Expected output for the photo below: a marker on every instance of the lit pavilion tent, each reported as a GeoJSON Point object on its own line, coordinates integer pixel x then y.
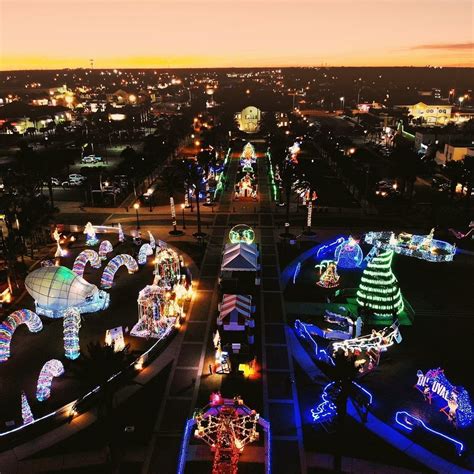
{"type": "Point", "coordinates": [240, 258]}
{"type": "Point", "coordinates": [235, 313]}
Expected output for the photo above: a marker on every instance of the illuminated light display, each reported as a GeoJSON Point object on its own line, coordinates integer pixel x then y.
{"type": "Point", "coordinates": [329, 277]}
{"type": "Point", "coordinates": [121, 235]}
{"type": "Point", "coordinates": [248, 157]}
{"type": "Point", "coordinates": [152, 240]}
{"type": "Point", "coordinates": [145, 251]}
{"type": "Point", "coordinates": [324, 249]}
{"type": "Point", "coordinates": [59, 251]}
{"type": "Point", "coordinates": [246, 187]}
{"type": "Point", "coordinates": [348, 254]}
{"type": "Point", "coordinates": [294, 152]}
{"type": "Point", "coordinates": [55, 289]}
{"type": "Point", "coordinates": [85, 256]}
{"type": "Point", "coordinates": [71, 325]}
{"type": "Point", "coordinates": [227, 426]}
{"type": "Point", "coordinates": [91, 238]}
{"type": "Point", "coordinates": [108, 275]}
{"type": "Point", "coordinates": [378, 341]}
{"type": "Point", "coordinates": [114, 337]}
{"type": "Point", "coordinates": [105, 247]}
{"type": "Point", "coordinates": [410, 422]}
{"type": "Point", "coordinates": [378, 291]}
{"type": "Point", "coordinates": [52, 368]}
{"type": "Point", "coordinates": [424, 247]}
{"type": "Point", "coordinates": [326, 410]}
{"type": "Point", "coordinates": [159, 310]}
{"type": "Point", "coordinates": [304, 331]}
{"type": "Point", "coordinates": [167, 267]}
{"type": "Point", "coordinates": [26, 414]}
{"type": "Point", "coordinates": [242, 233]}
{"type": "Point", "coordinates": [458, 406]}
{"type": "Point", "coordinates": [8, 327]}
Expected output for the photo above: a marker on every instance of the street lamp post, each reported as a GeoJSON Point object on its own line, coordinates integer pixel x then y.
{"type": "Point", "coordinates": [136, 206]}
{"type": "Point", "coordinates": [182, 210]}
{"type": "Point", "coordinates": [461, 100]}
{"type": "Point", "coordinates": [342, 103]}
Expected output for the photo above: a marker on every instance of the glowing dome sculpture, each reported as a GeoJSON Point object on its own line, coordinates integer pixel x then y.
{"type": "Point", "coordinates": [55, 289]}
{"type": "Point", "coordinates": [85, 256]}
{"type": "Point", "coordinates": [52, 368]}
{"type": "Point", "coordinates": [348, 254]}
{"type": "Point", "coordinates": [8, 327]}
{"type": "Point", "coordinates": [242, 233]}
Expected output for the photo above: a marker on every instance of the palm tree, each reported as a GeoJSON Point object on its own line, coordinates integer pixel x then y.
{"type": "Point", "coordinates": [173, 179]}
{"type": "Point", "coordinates": [343, 373]}
{"type": "Point", "coordinates": [288, 176]}
{"type": "Point", "coordinates": [96, 368]}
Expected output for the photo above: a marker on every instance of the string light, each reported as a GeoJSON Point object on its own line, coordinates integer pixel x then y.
{"type": "Point", "coordinates": [26, 413]}
{"type": "Point", "coordinates": [72, 324]}
{"type": "Point", "coordinates": [52, 368]}
{"type": "Point", "coordinates": [8, 327]}
{"type": "Point", "coordinates": [105, 248]}
{"type": "Point", "coordinates": [85, 256]}
{"type": "Point", "coordinates": [145, 251]}
{"type": "Point", "coordinates": [378, 290]}
{"type": "Point", "coordinates": [107, 279]}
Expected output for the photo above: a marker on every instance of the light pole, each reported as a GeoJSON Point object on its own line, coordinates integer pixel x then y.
{"type": "Point", "coordinates": [342, 103]}
{"type": "Point", "coordinates": [175, 230]}
{"type": "Point", "coordinates": [182, 210]}
{"type": "Point", "coordinates": [136, 206]}
{"type": "Point", "coordinates": [461, 100]}
{"type": "Point", "coordinates": [150, 194]}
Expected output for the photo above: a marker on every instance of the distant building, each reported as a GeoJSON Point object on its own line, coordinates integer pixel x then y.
{"type": "Point", "coordinates": [249, 119]}
{"type": "Point", "coordinates": [425, 138]}
{"type": "Point", "coordinates": [454, 153]}
{"type": "Point", "coordinates": [281, 119]}
{"type": "Point", "coordinates": [431, 114]}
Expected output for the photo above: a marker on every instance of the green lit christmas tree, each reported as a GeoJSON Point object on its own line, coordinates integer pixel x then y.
{"type": "Point", "coordinates": [379, 294]}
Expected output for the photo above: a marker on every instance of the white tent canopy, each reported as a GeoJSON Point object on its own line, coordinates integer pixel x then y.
{"type": "Point", "coordinates": [240, 258]}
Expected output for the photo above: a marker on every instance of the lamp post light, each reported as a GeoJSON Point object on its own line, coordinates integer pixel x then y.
{"type": "Point", "coordinates": [461, 100]}
{"type": "Point", "coordinates": [136, 206]}
{"type": "Point", "coordinates": [182, 210]}
{"type": "Point", "coordinates": [342, 102]}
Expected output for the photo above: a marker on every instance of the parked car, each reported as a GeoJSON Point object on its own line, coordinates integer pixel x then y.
{"type": "Point", "coordinates": [440, 183]}
{"type": "Point", "coordinates": [54, 182]}
{"type": "Point", "coordinates": [387, 188]}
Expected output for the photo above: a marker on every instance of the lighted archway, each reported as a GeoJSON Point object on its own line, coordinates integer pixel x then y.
{"type": "Point", "coordinates": [105, 248]}
{"type": "Point", "coordinates": [85, 256]}
{"type": "Point", "coordinates": [145, 251]}
{"type": "Point", "coordinates": [107, 279]}
{"type": "Point", "coordinates": [52, 368]}
{"type": "Point", "coordinates": [8, 327]}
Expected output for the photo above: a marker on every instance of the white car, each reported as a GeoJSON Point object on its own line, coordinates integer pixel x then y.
{"type": "Point", "coordinates": [77, 177]}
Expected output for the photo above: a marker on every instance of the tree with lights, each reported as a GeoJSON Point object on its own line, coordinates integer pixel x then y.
{"type": "Point", "coordinates": [379, 293]}
{"type": "Point", "coordinates": [26, 414]}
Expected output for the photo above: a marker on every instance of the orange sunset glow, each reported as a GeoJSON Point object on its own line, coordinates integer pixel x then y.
{"type": "Point", "coordinates": [176, 33]}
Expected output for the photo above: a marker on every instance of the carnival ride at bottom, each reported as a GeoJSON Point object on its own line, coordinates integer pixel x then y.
{"type": "Point", "coordinates": [227, 426]}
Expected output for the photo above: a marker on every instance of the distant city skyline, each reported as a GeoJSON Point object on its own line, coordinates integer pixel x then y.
{"type": "Point", "coordinates": [50, 34]}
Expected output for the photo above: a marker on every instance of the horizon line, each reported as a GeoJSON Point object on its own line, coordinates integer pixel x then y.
{"type": "Point", "coordinates": [238, 67]}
